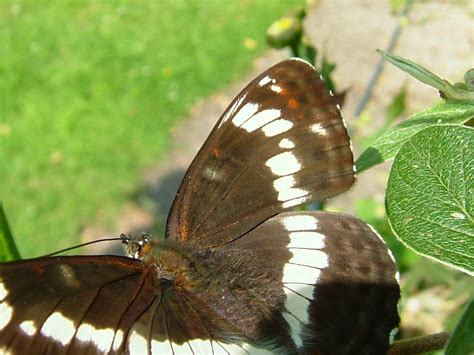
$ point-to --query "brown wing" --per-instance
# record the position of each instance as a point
(330, 275)
(93, 305)
(281, 142)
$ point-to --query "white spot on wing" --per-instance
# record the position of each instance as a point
(297, 305)
(137, 344)
(311, 240)
(265, 80)
(3, 291)
(284, 183)
(28, 327)
(182, 349)
(260, 119)
(299, 222)
(232, 109)
(319, 129)
(277, 127)
(291, 194)
(59, 328)
(300, 274)
(299, 280)
(211, 173)
(302, 291)
(286, 143)
(295, 327)
(118, 340)
(102, 338)
(310, 258)
(68, 275)
(294, 202)
(283, 164)
(201, 346)
(247, 111)
(276, 88)
(5, 314)
(161, 347)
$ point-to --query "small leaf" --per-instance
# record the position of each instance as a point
(430, 195)
(462, 340)
(387, 146)
(427, 77)
(8, 249)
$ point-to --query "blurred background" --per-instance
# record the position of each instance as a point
(104, 104)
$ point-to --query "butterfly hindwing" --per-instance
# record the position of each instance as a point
(282, 142)
(330, 275)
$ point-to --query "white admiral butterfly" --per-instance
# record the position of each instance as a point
(235, 274)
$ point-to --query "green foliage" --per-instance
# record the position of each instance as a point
(90, 92)
(429, 195)
(450, 92)
(8, 249)
(387, 146)
(462, 340)
(395, 109)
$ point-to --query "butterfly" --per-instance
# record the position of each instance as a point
(237, 272)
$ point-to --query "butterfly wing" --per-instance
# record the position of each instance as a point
(330, 275)
(104, 304)
(281, 142)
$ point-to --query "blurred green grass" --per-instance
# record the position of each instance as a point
(90, 90)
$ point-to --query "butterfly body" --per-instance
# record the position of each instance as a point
(224, 284)
(237, 273)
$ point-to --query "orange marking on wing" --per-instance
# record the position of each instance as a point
(216, 152)
(293, 103)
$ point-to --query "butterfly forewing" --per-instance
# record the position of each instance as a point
(282, 142)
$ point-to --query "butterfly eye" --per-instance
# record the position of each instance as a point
(137, 246)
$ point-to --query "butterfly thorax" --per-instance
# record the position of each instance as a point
(174, 264)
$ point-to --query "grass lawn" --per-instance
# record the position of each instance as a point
(90, 90)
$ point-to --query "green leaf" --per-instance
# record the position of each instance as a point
(462, 340)
(387, 146)
(427, 77)
(326, 69)
(397, 106)
(430, 195)
(8, 249)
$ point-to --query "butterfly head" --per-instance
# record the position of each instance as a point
(137, 247)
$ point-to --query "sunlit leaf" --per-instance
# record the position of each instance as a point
(430, 197)
(387, 146)
(8, 249)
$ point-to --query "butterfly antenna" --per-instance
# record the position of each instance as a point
(121, 238)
